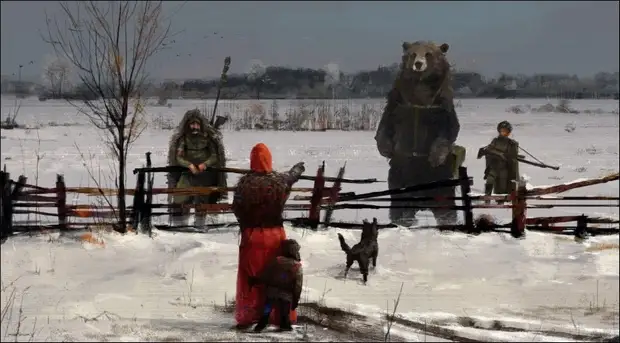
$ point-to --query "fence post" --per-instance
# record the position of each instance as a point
(466, 199)
(146, 215)
(317, 196)
(519, 206)
(61, 201)
(333, 196)
(13, 195)
(581, 231)
(138, 201)
(5, 226)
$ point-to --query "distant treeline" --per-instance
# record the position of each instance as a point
(304, 83)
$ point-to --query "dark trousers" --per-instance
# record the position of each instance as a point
(284, 308)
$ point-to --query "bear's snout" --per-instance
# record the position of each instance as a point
(419, 64)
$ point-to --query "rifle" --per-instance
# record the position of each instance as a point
(223, 79)
(536, 164)
(180, 169)
(219, 122)
(486, 150)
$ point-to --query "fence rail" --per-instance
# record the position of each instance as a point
(19, 197)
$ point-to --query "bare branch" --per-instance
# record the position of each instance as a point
(109, 44)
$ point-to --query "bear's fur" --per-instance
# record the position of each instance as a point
(432, 85)
(418, 128)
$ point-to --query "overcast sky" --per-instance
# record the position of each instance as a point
(489, 37)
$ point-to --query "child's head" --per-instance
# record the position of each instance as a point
(504, 128)
(290, 248)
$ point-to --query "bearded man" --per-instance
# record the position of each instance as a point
(197, 146)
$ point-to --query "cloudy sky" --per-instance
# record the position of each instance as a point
(489, 37)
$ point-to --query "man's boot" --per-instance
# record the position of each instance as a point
(488, 190)
(180, 218)
(200, 220)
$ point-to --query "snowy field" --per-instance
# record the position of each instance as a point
(174, 286)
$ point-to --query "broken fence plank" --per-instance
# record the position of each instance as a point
(572, 185)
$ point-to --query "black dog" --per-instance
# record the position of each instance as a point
(362, 252)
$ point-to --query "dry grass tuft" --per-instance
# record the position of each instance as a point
(603, 246)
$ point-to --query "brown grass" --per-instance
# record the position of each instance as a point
(603, 246)
(90, 238)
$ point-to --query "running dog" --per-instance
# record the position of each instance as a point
(362, 252)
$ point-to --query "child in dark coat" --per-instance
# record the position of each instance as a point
(283, 281)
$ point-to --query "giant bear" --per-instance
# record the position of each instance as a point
(418, 129)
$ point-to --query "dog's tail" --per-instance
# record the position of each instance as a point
(343, 245)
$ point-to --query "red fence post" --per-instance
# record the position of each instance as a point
(61, 201)
(317, 196)
(333, 196)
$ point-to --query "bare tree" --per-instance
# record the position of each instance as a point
(109, 43)
(257, 77)
(57, 73)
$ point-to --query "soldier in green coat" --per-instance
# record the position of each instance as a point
(197, 146)
(502, 165)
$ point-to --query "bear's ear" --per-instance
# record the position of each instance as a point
(406, 46)
(444, 48)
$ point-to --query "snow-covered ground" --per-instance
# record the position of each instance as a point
(173, 286)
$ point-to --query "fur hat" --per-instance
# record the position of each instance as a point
(290, 248)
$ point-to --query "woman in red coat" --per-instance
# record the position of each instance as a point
(258, 205)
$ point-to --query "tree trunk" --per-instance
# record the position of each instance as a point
(122, 160)
(122, 214)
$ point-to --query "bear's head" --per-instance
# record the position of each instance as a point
(423, 59)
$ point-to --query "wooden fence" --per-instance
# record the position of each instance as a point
(19, 197)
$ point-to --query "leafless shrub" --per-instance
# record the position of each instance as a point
(258, 116)
(570, 127)
(390, 318)
(343, 118)
(563, 106)
(594, 111)
(275, 116)
(162, 122)
(9, 325)
(306, 115)
(57, 72)
(519, 109)
(298, 118)
(110, 44)
(10, 122)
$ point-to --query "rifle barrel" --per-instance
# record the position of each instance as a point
(170, 169)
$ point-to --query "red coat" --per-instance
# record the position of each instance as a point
(258, 204)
